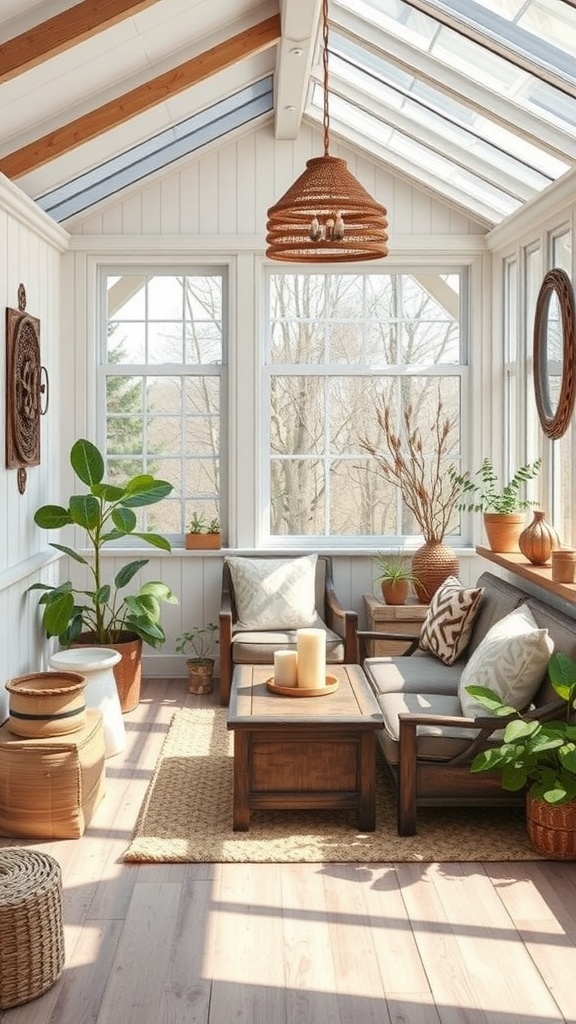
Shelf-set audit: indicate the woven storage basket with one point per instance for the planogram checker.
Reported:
(552, 829)
(50, 787)
(31, 928)
(47, 704)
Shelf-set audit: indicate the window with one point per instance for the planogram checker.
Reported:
(338, 344)
(161, 386)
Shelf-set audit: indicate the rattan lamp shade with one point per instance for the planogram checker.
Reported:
(328, 198)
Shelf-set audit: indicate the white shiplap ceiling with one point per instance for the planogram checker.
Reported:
(476, 101)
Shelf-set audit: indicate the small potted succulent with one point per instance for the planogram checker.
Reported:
(200, 641)
(395, 577)
(202, 533)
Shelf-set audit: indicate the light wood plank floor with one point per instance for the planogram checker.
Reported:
(297, 943)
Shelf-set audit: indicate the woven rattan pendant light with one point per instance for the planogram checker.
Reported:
(326, 216)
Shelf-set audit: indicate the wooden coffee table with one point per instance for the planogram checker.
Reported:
(304, 752)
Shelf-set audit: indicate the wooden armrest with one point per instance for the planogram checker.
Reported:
(341, 621)
(364, 635)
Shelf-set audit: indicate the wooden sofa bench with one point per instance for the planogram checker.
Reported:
(427, 741)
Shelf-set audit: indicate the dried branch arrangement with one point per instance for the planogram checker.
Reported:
(428, 489)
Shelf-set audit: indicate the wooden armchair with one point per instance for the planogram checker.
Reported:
(240, 647)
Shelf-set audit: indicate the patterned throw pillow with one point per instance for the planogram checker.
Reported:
(447, 627)
(274, 593)
(511, 660)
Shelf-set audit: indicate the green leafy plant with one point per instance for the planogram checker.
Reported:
(488, 495)
(200, 640)
(107, 514)
(541, 754)
(198, 524)
(393, 569)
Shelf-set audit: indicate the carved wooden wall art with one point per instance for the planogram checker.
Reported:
(26, 383)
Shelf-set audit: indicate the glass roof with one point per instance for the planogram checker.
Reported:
(477, 100)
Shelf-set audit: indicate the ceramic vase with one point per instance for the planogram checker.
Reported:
(433, 563)
(538, 540)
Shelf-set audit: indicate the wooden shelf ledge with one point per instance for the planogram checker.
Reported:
(539, 575)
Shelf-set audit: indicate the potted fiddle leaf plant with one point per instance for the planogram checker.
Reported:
(539, 755)
(503, 505)
(101, 613)
(200, 641)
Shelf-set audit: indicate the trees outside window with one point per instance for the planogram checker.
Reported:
(162, 386)
(338, 344)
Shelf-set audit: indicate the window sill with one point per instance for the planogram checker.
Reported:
(540, 575)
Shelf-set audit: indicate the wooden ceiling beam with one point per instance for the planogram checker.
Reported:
(61, 32)
(245, 44)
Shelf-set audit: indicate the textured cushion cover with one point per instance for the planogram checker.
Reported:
(511, 660)
(447, 627)
(274, 593)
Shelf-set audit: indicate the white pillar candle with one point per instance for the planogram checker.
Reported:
(311, 649)
(285, 668)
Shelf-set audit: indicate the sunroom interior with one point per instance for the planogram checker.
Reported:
(140, 150)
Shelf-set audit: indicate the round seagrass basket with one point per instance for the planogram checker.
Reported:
(31, 928)
(552, 829)
(46, 704)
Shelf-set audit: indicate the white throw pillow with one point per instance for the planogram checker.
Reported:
(274, 593)
(511, 660)
(447, 627)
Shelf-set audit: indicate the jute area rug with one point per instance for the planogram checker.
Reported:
(186, 816)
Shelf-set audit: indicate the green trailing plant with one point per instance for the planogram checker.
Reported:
(537, 754)
(393, 569)
(106, 513)
(200, 641)
(488, 495)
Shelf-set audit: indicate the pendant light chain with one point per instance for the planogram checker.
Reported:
(325, 69)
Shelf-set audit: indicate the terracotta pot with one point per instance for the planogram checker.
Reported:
(538, 540)
(433, 563)
(202, 541)
(200, 673)
(503, 530)
(552, 828)
(395, 591)
(128, 671)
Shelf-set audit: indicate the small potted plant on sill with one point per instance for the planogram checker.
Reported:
(503, 507)
(395, 577)
(539, 755)
(203, 533)
(200, 641)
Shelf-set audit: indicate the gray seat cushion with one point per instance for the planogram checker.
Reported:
(257, 648)
(434, 742)
(420, 673)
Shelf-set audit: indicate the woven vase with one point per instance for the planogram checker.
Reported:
(538, 540)
(552, 829)
(433, 563)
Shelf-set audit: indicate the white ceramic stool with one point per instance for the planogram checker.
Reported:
(96, 663)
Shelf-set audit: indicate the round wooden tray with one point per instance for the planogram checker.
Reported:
(304, 691)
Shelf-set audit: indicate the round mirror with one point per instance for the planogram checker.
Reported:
(555, 353)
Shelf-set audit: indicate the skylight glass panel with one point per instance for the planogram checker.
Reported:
(452, 122)
(446, 170)
(476, 62)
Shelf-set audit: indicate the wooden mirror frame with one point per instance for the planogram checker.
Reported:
(555, 421)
